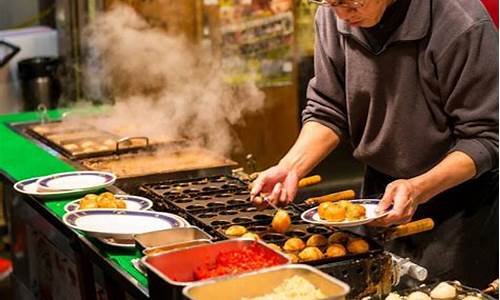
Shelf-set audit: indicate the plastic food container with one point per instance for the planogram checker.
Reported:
(263, 282)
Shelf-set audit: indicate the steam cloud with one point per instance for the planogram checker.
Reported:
(161, 86)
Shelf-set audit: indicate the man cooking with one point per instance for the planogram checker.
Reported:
(413, 85)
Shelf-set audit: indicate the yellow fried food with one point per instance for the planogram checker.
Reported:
(251, 235)
(357, 246)
(334, 213)
(344, 204)
(355, 212)
(88, 203)
(336, 250)
(120, 204)
(107, 195)
(236, 230)
(106, 203)
(338, 237)
(323, 206)
(274, 247)
(311, 253)
(281, 221)
(91, 197)
(294, 244)
(293, 258)
(316, 240)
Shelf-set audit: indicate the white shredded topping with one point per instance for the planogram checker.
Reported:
(293, 288)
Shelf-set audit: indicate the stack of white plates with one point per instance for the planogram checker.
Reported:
(64, 185)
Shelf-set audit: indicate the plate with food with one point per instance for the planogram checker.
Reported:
(109, 200)
(121, 224)
(79, 180)
(344, 213)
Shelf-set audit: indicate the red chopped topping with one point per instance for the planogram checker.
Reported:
(238, 261)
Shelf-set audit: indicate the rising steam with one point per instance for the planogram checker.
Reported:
(161, 85)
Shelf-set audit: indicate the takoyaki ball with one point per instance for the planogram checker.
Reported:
(107, 195)
(274, 247)
(281, 221)
(355, 212)
(293, 258)
(338, 237)
(323, 206)
(88, 203)
(334, 213)
(310, 253)
(236, 230)
(344, 204)
(106, 203)
(444, 290)
(357, 246)
(336, 250)
(251, 235)
(418, 296)
(316, 240)
(120, 204)
(294, 244)
(393, 296)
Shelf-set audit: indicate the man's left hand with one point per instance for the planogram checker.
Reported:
(402, 195)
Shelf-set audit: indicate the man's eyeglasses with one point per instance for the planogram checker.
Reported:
(342, 3)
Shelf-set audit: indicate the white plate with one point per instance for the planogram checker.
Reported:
(132, 202)
(30, 187)
(78, 180)
(312, 216)
(120, 224)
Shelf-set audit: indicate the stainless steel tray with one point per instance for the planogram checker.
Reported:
(167, 237)
(263, 282)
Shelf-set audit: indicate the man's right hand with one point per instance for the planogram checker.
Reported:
(277, 183)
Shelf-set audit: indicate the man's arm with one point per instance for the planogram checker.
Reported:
(406, 194)
(314, 143)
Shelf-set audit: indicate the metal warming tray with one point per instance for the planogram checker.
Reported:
(263, 282)
(170, 272)
(154, 239)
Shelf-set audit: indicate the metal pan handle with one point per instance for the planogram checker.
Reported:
(130, 139)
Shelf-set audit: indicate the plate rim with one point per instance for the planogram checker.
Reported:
(344, 223)
(42, 180)
(149, 201)
(182, 222)
(43, 194)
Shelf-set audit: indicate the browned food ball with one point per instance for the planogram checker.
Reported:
(355, 212)
(293, 258)
(310, 253)
(357, 246)
(338, 237)
(251, 235)
(120, 204)
(316, 240)
(344, 203)
(281, 221)
(106, 203)
(294, 244)
(274, 247)
(336, 250)
(334, 213)
(88, 203)
(323, 206)
(236, 230)
(107, 195)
